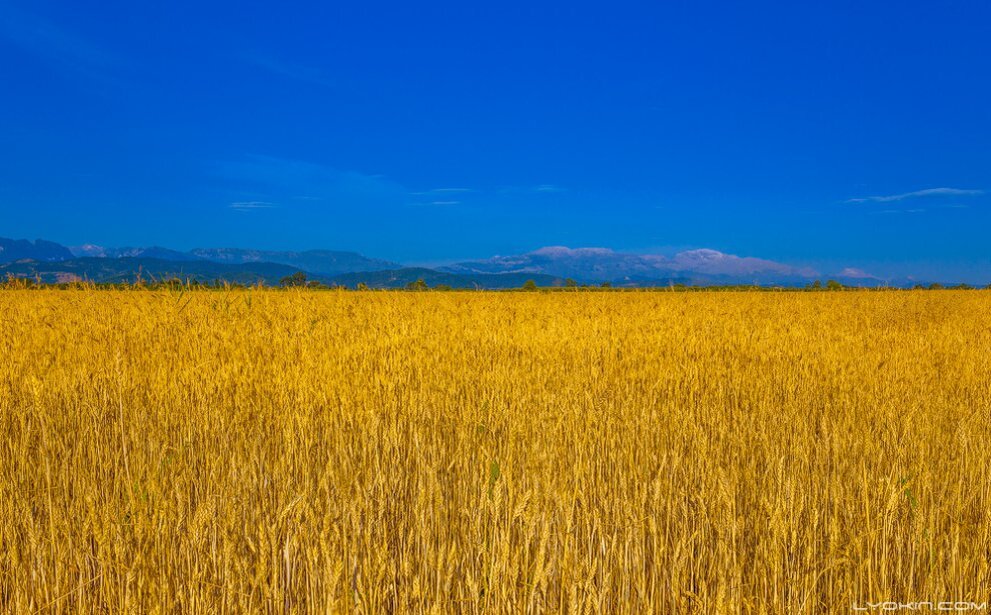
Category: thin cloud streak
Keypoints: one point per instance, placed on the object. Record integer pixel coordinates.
(916, 194)
(899, 211)
(250, 205)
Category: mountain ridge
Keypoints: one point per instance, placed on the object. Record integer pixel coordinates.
(606, 265)
(550, 265)
(18, 249)
(325, 262)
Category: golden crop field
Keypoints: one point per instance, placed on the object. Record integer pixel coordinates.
(391, 452)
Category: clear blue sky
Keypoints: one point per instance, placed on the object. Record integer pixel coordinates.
(835, 133)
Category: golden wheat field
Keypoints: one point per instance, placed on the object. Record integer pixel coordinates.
(391, 452)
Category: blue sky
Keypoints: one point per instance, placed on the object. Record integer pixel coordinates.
(846, 134)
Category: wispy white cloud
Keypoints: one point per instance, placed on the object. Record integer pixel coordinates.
(854, 272)
(267, 180)
(250, 205)
(441, 196)
(929, 192)
(538, 189)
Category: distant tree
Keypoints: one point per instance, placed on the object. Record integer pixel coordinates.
(444, 287)
(529, 285)
(418, 285)
(935, 286)
(569, 283)
(817, 285)
(606, 285)
(296, 279)
(918, 287)
(362, 286)
(833, 285)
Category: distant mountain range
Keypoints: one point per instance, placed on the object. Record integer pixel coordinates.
(551, 266)
(91, 251)
(691, 267)
(324, 262)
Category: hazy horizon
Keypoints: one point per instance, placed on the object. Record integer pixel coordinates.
(966, 272)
